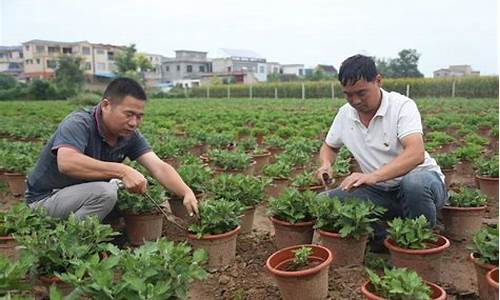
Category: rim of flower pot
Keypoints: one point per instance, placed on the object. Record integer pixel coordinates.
(13, 174)
(281, 178)
(486, 178)
(267, 153)
(460, 208)
(434, 287)
(6, 238)
(490, 277)
(475, 260)
(210, 237)
(131, 213)
(311, 188)
(285, 223)
(440, 245)
(324, 264)
(336, 235)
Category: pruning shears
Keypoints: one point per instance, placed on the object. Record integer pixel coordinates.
(326, 180)
(180, 223)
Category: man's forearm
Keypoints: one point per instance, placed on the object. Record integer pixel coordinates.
(327, 155)
(169, 178)
(81, 166)
(402, 164)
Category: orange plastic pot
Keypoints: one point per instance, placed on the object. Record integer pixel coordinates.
(311, 283)
(437, 292)
(221, 248)
(289, 234)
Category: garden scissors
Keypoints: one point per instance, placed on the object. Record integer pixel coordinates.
(180, 223)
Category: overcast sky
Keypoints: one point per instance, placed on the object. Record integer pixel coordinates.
(444, 32)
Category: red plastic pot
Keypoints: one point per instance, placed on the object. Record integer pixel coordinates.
(347, 251)
(221, 248)
(289, 234)
(481, 271)
(311, 283)
(437, 292)
(492, 279)
(426, 262)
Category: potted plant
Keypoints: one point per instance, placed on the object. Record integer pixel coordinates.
(216, 230)
(16, 165)
(196, 176)
(291, 216)
(492, 279)
(307, 181)
(400, 283)
(143, 220)
(200, 142)
(156, 270)
(463, 214)
(413, 245)
(56, 249)
(13, 275)
(261, 157)
(275, 144)
(487, 176)
(447, 162)
(301, 271)
(169, 149)
(231, 162)
(485, 256)
(19, 220)
(344, 227)
(280, 172)
(247, 190)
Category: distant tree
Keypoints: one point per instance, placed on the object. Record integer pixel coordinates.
(69, 77)
(42, 90)
(319, 74)
(7, 81)
(131, 64)
(406, 65)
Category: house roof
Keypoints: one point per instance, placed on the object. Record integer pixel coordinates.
(328, 68)
(47, 42)
(239, 53)
(11, 48)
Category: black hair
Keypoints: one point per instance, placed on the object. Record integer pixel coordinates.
(121, 87)
(357, 67)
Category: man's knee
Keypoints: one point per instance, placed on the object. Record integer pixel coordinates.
(104, 193)
(414, 182)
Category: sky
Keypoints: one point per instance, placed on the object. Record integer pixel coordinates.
(309, 32)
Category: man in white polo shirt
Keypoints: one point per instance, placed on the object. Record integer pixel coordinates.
(383, 131)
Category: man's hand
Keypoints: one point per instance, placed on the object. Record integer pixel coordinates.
(357, 179)
(190, 203)
(324, 170)
(134, 181)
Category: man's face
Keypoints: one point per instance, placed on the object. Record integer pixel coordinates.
(364, 96)
(122, 119)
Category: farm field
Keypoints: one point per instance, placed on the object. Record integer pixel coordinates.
(208, 134)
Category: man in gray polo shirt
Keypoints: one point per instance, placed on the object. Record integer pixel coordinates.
(383, 131)
(87, 150)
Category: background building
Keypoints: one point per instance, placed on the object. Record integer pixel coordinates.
(456, 71)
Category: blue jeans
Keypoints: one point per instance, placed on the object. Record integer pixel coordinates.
(419, 193)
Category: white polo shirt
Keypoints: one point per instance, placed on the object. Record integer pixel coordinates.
(380, 143)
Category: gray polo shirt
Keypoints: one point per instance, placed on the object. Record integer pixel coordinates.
(83, 132)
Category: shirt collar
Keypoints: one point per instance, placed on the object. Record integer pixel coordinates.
(384, 104)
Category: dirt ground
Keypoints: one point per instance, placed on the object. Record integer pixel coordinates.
(247, 277)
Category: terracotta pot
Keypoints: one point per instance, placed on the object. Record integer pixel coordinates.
(178, 209)
(8, 248)
(464, 168)
(426, 262)
(221, 248)
(449, 176)
(261, 160)
(437, 292)
(199, 149)
(143, 227)
(275, 152)
(492, 279)
(288, 234)
(461, 223)
(247, 220)
(16, 182)
(347, 251)
(482, 284)
(247, 171)
(276, 187)
(308, 284)
(489, 187)
(64, 288)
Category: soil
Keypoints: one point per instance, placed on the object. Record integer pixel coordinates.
(247, 277)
